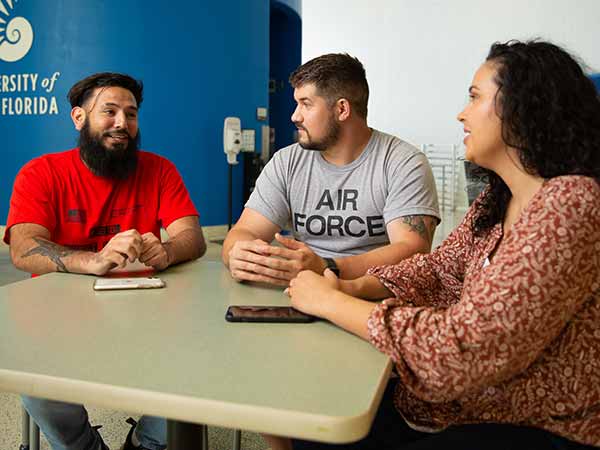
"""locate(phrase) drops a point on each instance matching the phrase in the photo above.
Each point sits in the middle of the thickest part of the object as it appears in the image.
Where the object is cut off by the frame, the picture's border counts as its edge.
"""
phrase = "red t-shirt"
(84, 211)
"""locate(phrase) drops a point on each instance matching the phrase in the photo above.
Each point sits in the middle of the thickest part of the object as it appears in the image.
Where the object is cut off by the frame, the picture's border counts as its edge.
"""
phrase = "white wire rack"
(447, 166)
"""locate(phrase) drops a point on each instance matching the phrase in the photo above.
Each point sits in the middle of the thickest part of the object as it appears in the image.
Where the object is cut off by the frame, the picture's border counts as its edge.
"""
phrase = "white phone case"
(105, 284)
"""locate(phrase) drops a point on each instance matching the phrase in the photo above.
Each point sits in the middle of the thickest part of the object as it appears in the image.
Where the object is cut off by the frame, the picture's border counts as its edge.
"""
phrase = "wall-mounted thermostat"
(262, 113)
(248, 140)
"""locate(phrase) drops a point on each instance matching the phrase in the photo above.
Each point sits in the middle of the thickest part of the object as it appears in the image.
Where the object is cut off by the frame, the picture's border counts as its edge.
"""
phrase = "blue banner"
(200, 62)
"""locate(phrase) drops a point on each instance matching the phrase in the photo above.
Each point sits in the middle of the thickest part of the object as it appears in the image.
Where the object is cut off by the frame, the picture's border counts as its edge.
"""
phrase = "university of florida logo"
(16, 33)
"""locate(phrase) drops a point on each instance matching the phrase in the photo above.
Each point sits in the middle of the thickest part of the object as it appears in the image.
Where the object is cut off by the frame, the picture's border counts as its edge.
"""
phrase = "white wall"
(420, 56)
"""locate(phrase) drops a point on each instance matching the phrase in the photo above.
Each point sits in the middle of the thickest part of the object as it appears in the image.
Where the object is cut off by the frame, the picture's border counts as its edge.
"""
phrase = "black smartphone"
(275, 314)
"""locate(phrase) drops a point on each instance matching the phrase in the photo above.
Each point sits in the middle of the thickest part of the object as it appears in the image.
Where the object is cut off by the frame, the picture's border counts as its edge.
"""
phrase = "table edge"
(332, 429)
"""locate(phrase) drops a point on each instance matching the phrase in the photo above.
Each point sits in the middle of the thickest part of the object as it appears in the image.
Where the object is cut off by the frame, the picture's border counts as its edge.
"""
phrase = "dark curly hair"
(83, 89)
(550, 112)
(336, 75)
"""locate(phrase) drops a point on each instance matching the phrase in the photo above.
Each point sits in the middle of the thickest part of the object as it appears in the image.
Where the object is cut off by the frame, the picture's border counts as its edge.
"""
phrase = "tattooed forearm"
(424, 225)
(51, 250)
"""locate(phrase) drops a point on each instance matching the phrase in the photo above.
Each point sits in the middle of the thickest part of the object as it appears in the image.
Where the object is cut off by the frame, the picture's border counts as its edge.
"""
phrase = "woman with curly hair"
(495, 335)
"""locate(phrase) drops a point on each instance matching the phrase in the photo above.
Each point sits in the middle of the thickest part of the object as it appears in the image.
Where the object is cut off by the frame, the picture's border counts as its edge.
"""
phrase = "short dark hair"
(550, 112)
(336, 75)
(82, 90)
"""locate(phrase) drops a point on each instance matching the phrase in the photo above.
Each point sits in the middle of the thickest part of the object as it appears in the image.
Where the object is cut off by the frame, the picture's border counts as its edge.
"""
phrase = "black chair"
(475, 181)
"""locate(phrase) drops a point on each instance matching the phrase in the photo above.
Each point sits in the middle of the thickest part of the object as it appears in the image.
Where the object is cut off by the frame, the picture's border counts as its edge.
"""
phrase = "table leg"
(237, 439)
(205, 438)
(186, 436)
(34, 436)
(24, 430)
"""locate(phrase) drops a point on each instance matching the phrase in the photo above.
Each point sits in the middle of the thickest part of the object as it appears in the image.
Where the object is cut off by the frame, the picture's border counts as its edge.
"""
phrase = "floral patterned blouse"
(513, 341)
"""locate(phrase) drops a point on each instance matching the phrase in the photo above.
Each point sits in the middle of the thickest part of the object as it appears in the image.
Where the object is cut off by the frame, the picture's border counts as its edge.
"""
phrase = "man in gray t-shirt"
(344, 210)
(353, 197)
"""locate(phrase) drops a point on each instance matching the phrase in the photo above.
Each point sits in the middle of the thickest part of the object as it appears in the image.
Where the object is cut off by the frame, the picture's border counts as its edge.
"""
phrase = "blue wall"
(200, 62)
(286, 54)
(596, 79)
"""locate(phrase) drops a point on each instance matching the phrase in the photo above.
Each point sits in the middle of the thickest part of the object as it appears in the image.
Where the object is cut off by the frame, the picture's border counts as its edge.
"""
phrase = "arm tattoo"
(419, 225)
(53, 251)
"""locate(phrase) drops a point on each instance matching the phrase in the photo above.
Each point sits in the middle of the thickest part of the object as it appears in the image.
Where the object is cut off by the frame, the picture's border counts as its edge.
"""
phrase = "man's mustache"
(117, 133)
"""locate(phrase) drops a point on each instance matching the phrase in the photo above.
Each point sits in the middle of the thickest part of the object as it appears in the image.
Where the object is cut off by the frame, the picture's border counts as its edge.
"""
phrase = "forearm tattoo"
(424, 225)
(51, 250)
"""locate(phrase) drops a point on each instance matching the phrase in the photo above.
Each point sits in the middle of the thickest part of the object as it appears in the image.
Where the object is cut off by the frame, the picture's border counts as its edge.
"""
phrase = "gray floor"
(114, 428)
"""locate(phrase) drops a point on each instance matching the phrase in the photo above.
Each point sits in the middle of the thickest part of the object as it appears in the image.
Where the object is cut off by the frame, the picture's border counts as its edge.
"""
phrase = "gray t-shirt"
(341, 211)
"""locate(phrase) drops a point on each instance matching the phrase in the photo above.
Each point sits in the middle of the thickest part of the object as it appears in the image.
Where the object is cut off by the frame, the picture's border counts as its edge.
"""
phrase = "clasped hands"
(293, 265)
(259, 261)
(128, 246)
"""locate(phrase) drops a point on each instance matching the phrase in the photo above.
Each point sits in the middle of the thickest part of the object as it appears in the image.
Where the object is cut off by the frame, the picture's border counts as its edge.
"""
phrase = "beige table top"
(169, 352)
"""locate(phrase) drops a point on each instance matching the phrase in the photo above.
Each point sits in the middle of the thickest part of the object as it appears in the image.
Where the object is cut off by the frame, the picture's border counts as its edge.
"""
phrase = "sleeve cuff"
(384, 275)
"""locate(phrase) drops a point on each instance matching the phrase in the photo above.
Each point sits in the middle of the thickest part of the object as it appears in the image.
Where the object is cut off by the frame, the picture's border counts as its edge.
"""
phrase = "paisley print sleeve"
(433, 279)
(546, 269)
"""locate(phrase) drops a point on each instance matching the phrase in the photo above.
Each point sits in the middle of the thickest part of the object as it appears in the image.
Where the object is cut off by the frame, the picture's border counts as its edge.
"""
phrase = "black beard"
(117, 163)
(331, 137)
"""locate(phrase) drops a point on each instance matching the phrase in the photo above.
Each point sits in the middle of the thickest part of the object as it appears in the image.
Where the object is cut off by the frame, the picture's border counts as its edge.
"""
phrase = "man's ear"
(78, 116)
(343, 109)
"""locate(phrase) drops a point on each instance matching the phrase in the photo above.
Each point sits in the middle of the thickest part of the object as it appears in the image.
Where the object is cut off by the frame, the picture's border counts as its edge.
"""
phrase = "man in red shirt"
(93, 209)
